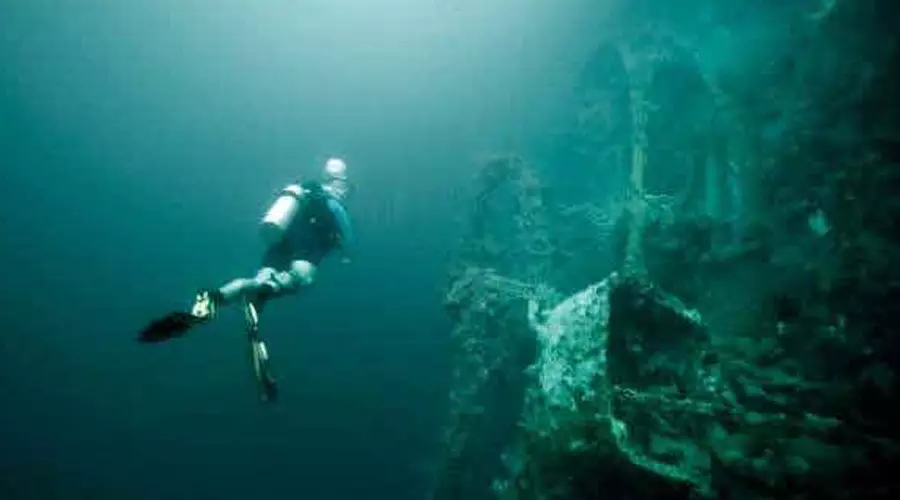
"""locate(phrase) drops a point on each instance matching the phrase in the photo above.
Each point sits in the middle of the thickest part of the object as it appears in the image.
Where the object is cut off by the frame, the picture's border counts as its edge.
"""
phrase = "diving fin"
(259, 356)
(268, 388)
(172, 325)
(176, 324)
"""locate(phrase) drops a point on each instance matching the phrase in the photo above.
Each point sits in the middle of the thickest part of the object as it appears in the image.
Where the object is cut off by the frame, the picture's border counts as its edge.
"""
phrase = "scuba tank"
(280, 215)
(283, 212)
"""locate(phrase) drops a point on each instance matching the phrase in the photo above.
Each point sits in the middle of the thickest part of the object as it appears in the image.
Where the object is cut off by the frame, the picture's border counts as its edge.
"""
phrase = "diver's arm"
(345, 228)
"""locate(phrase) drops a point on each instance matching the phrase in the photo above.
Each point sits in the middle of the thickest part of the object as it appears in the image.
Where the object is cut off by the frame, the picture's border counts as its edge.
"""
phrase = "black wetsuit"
(321, 226)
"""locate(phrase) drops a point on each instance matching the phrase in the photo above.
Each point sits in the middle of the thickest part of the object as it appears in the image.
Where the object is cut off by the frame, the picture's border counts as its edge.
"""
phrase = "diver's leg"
(207, 303)
(268, 283)
(272, 284)
(237, 289)
(301, 274)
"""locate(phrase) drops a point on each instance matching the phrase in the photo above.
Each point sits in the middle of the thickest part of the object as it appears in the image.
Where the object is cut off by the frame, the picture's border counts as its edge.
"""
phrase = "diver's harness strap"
(259, 356)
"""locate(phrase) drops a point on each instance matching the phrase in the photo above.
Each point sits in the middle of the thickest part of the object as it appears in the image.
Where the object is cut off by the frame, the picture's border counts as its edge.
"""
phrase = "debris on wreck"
(716, 320)
(500, 265)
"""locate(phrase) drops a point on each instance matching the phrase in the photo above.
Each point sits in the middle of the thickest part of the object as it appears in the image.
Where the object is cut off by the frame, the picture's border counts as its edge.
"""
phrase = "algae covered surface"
(710, 312)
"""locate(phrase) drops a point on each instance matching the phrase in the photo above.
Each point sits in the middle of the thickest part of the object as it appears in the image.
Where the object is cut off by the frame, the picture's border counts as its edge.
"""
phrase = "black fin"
(172, 325)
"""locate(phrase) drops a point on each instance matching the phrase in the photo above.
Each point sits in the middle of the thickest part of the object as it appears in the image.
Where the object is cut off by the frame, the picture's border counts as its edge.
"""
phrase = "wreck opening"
(603, 127)
(678, 132)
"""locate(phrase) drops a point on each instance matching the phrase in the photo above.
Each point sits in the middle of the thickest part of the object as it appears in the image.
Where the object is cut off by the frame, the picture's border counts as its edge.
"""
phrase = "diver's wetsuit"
(322, 225)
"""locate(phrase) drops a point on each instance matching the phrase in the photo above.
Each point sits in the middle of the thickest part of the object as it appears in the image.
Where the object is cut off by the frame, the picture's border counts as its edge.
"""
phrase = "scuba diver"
(306, 223)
